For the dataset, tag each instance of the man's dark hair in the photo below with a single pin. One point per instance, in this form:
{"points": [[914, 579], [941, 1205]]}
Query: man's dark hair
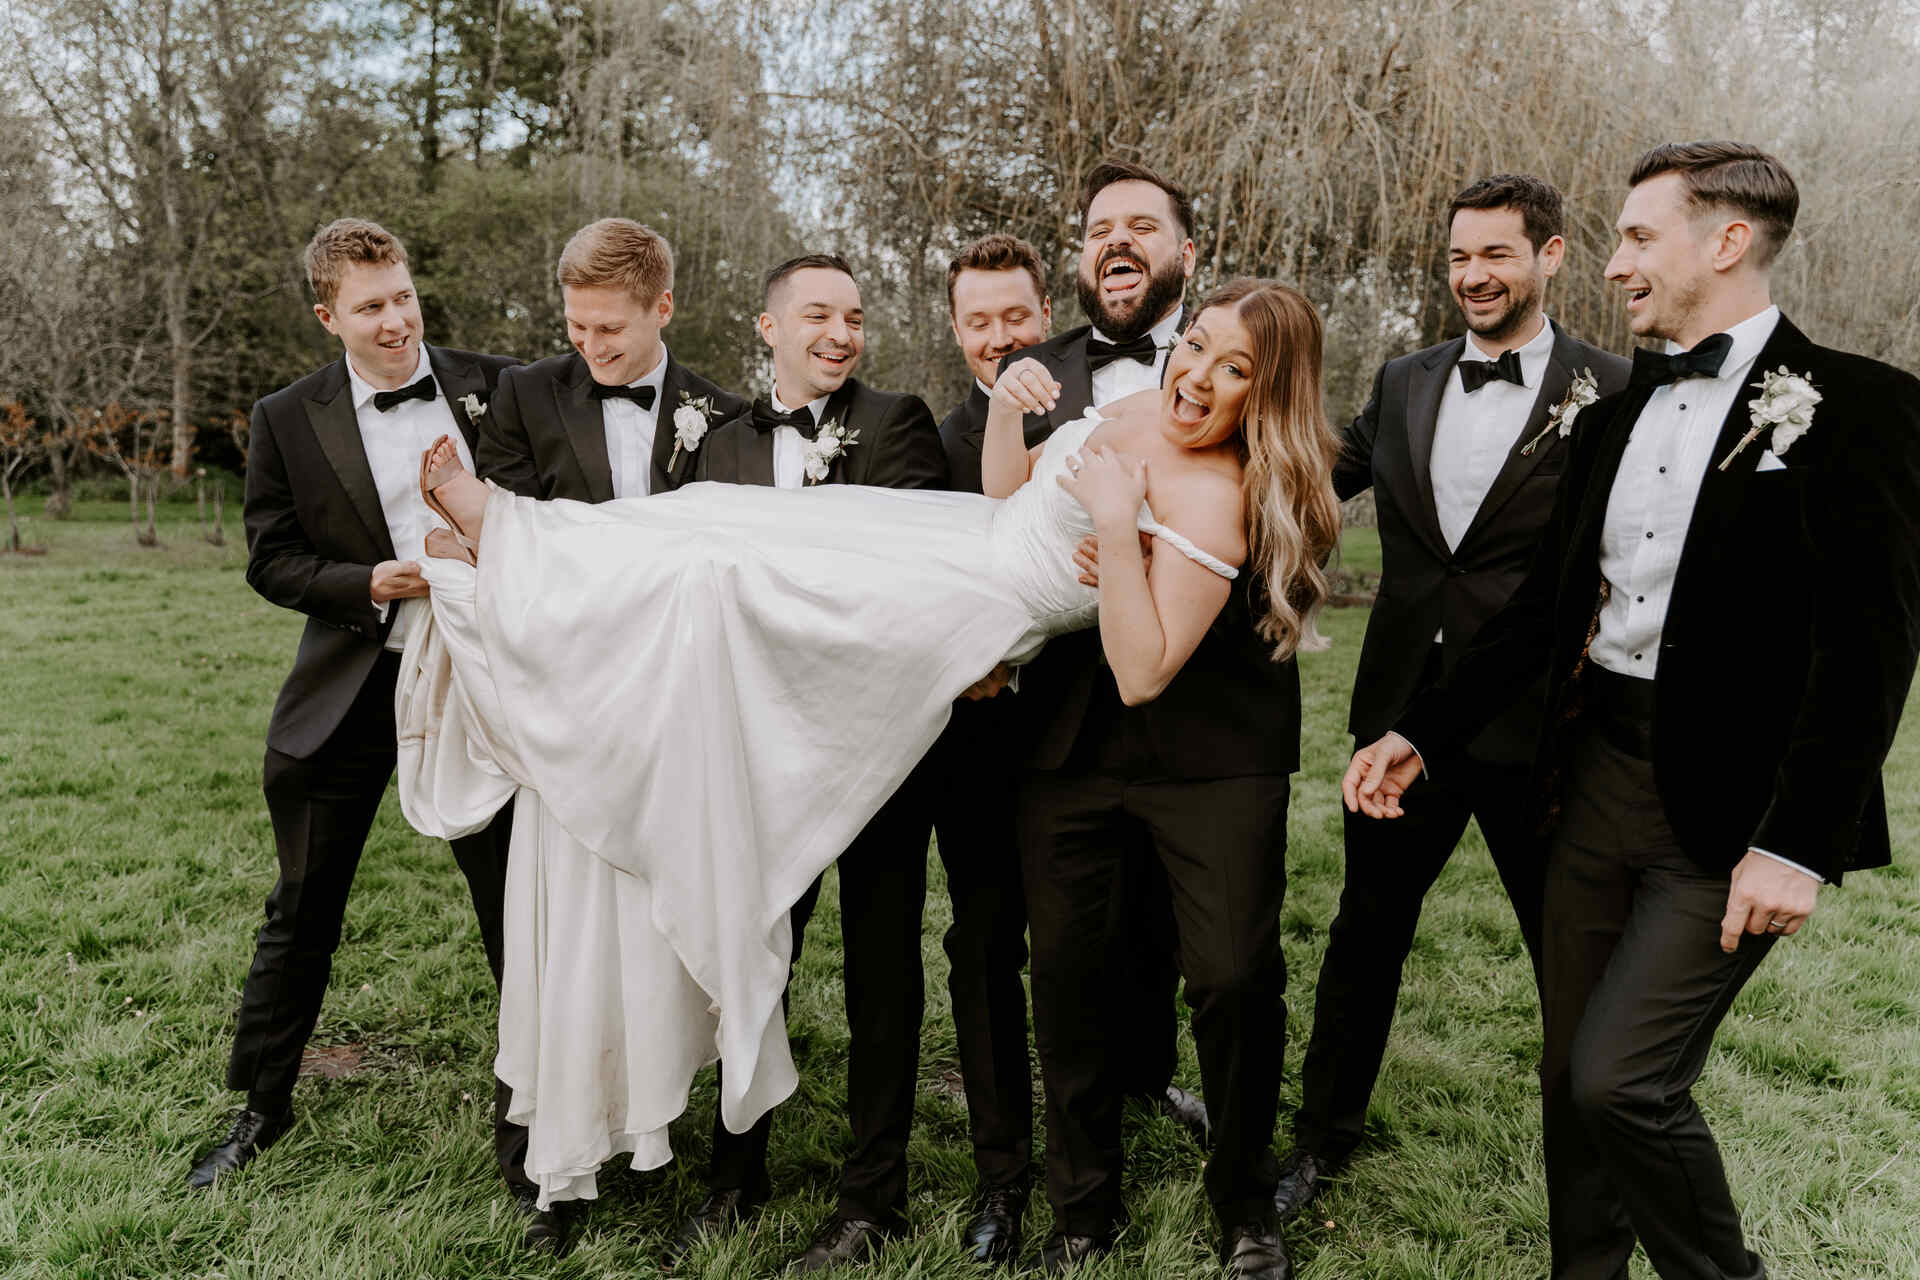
{"points": [[1109, 172], [1538, 203], [1734, 176], [998, 252], [827, 261]]}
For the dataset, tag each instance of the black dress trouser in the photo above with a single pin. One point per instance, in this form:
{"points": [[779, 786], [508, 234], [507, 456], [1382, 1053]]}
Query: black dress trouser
{"points": [[1222, 846], [1390, 866], [322, 808], [1635, 984]]}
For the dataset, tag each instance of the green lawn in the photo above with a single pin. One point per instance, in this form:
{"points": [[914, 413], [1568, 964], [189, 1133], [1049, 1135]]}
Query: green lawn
{"points": [[135, 852]]}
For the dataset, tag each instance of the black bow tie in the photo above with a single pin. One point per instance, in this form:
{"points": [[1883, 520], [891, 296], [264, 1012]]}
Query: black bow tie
{"points": [[421, 390], [1657, 368], [767, 418], [642, 396], [1475, 374], [1100, 354]]}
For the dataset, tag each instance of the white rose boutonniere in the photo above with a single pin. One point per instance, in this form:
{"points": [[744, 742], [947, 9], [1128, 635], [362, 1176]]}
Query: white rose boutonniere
{"points": [[1584, 391], [1784, 406], [476, 408], [833, 440], [690, 423]]}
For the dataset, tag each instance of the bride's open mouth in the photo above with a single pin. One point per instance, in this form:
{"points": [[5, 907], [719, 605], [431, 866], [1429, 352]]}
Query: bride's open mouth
{"points": [[1188, 410]]}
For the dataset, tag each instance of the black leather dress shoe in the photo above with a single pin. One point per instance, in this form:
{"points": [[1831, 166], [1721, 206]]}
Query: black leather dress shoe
{"points": [[1299, 1182], [993, 1237], [1063, 1253], [724, 1209], [252, 1133], [546, 1230], [1256, 1251], [842, 1242], [1190, 1110]]}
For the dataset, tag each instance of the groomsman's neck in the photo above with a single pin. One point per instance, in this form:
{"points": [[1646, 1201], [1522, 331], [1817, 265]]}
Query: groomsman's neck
{"points": [[1494, 348], [794, 397], [1738, 301]]}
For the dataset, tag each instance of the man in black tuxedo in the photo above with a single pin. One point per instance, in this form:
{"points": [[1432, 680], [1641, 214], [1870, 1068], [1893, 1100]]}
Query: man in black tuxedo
{"points": [[1726, 608], [1461, 446], [820, 425], [335, 526], [618, 416], [1194, 782]]}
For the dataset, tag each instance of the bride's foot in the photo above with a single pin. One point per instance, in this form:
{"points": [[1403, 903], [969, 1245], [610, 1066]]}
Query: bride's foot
{"points": [[454, 494]]}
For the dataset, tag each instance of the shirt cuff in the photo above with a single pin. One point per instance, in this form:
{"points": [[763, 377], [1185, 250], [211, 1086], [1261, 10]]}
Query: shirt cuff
{"points": [[1789, 862], [1416, 753], [381, 608]]}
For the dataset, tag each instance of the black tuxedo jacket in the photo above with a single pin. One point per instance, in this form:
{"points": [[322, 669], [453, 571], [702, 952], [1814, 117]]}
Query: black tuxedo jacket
{"points": [[899, 447], [315, 530], [544, 436], [1230, 711], [1424, 587], [1790, 639]]}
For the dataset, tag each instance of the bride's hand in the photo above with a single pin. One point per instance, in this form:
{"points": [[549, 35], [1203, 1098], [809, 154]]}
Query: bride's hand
{"points": [[1025, 387], [1111, 485]]}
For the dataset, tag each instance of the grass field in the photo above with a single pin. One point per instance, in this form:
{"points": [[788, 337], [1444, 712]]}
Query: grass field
{"points": [[135, 853]]}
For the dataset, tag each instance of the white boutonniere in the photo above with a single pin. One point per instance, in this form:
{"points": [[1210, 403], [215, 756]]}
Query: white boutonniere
{"points": [[1584, 391], [474, 406], [833, 440], [690, 423], [1784, 406]]}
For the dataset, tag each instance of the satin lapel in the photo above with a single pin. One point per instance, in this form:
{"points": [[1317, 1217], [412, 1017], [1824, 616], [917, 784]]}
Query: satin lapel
{"points": [[457, 379], [1606, 468], [1033, 432], [1076, 383], [1720, 491], [665, 460], [1424, 390], [586, 431], [337, 430], [839, 408], [1515, 470]]}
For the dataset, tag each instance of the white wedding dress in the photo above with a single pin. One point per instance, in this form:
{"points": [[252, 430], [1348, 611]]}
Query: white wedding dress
{"points": [[697, 700]]}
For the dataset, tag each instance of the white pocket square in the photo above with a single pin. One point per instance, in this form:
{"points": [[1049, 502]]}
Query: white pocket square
{"points": [[1770, 461]]}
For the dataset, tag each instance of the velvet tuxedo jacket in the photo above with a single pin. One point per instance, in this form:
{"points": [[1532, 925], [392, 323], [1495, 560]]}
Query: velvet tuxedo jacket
{"points": [[1231, 711], [544, 435], [315, 530], [899, 447], [1790, 638], [1424, 586]]}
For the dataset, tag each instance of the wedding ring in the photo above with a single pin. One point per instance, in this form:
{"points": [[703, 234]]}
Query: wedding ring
{"points": [[1774, 926]]}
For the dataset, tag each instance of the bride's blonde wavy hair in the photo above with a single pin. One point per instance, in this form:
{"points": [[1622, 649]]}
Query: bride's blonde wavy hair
{"points": [[1287, 454]]}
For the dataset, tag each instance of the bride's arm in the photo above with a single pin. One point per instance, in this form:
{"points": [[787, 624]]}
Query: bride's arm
{"points": [[1023, 387], [1153, 616]]}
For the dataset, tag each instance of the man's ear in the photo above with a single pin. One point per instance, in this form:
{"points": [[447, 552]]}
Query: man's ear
{"points": [[1552, 254], [764, 325], [1731, 245], [663, 306], [325, 314]]}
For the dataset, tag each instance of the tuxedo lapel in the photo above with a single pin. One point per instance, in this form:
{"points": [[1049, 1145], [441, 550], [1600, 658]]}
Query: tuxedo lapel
{"points": [[586, 431], [839, 408], [1424, 389], [1720, 491], [337, 430], [1518, 466], [1034, 431], [1075, 376], [666, 461], [457, 379]]}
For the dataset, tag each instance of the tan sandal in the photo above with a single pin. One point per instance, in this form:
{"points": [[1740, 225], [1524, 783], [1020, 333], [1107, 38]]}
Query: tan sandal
{"points": [[431, 480], [445, 544]]}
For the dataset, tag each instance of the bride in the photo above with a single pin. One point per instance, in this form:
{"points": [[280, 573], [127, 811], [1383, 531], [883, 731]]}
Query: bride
{"points": [[699, 698]]}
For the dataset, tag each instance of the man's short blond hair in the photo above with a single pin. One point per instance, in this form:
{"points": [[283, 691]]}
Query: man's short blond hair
{"points": [[618, 253], [347, 242]]}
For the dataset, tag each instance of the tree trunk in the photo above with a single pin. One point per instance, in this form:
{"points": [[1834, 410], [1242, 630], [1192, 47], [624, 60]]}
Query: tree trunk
{"points": [[219, 537], [182, 351], [59, 486], [13, 521]]}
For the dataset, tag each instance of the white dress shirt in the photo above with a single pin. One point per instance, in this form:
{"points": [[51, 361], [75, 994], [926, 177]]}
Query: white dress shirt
{"points": [[1475, 431], [1124, 377], [630, 431], [1652, 503], [1653, 497], [394, 441], [790, 447]]}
